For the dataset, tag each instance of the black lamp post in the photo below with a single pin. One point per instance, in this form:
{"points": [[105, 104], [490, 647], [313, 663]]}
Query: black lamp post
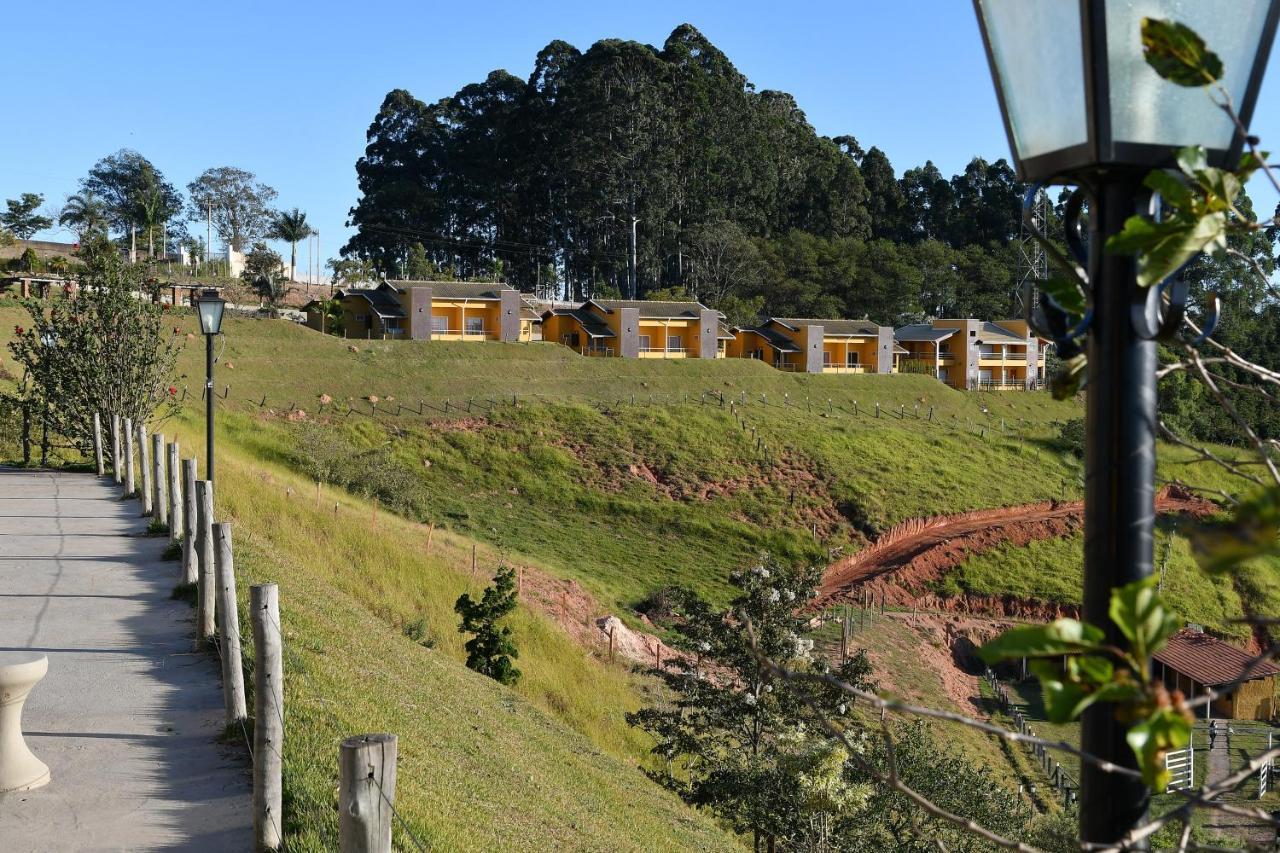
{"points": [[210, 307], [1082, 106]]}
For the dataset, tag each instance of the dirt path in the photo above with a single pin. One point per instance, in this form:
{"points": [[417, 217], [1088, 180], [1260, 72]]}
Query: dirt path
{"points": [[916, 552]]}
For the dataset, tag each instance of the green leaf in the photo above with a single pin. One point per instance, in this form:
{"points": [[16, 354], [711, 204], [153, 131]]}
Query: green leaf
{"points": [[1060, 637], [1252, 531], [1178, 54], [1193, 159], [1090, 669], [1163, 247], [1066, 381], [1065, 697], [1172, 190], [1066, 293], [1150, 739], [1250, 163], [1140, 614]]}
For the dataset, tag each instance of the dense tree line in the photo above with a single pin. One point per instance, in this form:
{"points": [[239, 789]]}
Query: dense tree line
{"points": [[730, 193]]}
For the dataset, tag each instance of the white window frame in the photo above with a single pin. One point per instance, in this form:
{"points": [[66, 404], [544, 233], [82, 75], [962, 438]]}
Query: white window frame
{"points": [[474, 326], [642, 341], [439, 324], [677, 345]]}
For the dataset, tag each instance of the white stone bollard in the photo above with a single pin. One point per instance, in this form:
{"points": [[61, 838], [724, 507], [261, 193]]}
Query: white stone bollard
{"points": [[19, 769]]}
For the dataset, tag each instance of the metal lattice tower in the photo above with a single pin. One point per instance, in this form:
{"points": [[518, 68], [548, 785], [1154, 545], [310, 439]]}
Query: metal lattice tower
{"points": [[1033, 264]]}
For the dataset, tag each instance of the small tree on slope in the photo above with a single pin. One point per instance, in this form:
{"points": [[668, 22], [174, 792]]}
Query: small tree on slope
{"points": [[491, 650]]}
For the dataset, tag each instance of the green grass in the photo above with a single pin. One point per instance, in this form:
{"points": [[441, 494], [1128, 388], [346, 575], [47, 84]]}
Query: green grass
{"points": [[551, 764], [1050, 570]]}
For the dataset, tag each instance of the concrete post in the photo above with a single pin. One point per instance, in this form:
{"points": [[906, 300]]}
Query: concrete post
{"points": [[144, 463], [175, 494], [509, 315], [190, 521], [130, 485], [268, 715], [97, 444], [206, 600], [366, 791], [229, 626], [117, 469], [159, 507]]}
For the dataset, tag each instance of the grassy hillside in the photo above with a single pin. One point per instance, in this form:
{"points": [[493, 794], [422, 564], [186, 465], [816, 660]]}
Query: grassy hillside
{"points": [[481, 767]]}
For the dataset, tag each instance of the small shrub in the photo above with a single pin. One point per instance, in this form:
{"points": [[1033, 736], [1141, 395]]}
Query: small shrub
{"points": [[1071, 437], [491, 650], [157, 528], [173, 552], [418, 632]]}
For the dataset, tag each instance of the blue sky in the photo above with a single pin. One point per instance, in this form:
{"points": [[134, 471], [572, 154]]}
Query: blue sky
{"points": [[288, 89]]}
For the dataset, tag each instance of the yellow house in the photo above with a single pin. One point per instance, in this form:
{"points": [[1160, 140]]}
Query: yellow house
{"points": [[818, 346], [973, 354], [434, 310], [638, 329]]}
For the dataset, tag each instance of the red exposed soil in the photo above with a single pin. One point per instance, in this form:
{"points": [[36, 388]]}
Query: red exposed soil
{"points": [[902, 563], [586, 621]]}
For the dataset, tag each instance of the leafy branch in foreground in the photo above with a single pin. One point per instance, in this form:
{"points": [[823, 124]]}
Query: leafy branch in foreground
{"points": [[1093, 670]]}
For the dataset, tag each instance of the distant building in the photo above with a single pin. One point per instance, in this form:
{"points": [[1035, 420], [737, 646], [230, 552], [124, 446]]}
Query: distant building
{"points": [[638, 329], [430, 311], [1195, 663], [974, 354], [818, 346]]}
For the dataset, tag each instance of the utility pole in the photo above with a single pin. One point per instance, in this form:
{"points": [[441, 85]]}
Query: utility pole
{"points": [[208, 246], [631, 256]]}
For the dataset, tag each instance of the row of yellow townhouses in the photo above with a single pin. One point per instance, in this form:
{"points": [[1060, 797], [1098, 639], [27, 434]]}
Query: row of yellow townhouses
{"points": [[967, 354]]}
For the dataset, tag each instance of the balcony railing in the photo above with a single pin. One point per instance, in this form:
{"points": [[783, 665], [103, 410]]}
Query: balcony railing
{"points": [[465, 334], [669, 352], [844, 368]]}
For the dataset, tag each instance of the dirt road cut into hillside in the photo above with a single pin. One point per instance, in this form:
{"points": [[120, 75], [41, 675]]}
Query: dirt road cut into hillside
{"points": [[901, 564]]}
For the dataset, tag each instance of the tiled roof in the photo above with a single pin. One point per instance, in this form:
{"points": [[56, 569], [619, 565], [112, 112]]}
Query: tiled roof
{"points": [[832, 327], [382, 301], [591, 323], [775, 339], [1210, 661], [455, 289], [655, 309], [992, 333], [923, 332]]}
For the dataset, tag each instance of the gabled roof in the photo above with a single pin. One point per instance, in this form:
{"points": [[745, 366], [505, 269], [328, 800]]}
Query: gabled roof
{"points": [[383, 302], [992, 333], [900, 350], [590, 323], [830, 327], [1210, 661], [723, 332], [775, 339], [923, 332], [652, 309], [453, 289]]}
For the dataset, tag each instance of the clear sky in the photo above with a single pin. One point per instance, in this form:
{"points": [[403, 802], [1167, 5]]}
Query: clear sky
{"points": [[287, 89]]}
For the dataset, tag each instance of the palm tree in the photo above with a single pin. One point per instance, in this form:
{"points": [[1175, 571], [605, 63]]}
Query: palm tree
{"points": [[291, 226], [85, 213]]}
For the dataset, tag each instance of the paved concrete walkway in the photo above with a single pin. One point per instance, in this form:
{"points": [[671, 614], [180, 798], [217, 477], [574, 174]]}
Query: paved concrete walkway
{"points": [[128, 717]]}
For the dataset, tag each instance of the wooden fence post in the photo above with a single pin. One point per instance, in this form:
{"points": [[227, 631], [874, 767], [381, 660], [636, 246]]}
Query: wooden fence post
{"points": [[159, 507], [229, 626], [130, 484], [190, 521], [117, 470], [366, 792], [175, 493], [205, 600], [144, 462], [97, 444], [268, 715]]}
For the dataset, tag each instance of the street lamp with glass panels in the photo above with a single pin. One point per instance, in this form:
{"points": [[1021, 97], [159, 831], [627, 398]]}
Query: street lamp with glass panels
{"points": [[209, 307], [1082, 106]]}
